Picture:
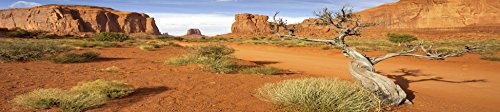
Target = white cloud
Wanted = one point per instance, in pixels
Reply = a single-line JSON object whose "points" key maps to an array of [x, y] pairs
{"points": [[23, 4], [209, 24], [178, 23]]}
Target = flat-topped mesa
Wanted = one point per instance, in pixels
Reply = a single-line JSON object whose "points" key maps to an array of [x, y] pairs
{"points": [[77, 20], [193, 33]]}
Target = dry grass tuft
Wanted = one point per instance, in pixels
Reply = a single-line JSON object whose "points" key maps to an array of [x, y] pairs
{"points": [[319, 95]]}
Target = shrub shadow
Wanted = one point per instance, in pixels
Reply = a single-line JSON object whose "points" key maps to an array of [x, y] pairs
{"points": [[103, 59], [138, 95], [262, 63], [404, 82]]}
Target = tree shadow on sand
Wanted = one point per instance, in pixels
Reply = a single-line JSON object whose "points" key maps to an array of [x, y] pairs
{"points": [[404, 82]]}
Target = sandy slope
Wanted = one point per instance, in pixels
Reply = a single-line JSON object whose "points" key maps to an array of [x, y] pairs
{"points": [[458, 84]]}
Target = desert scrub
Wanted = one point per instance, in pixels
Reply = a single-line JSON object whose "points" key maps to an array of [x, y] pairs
{"points": [[91, 44], [76, 57], [221, 65], [490, 58], [21, 34], [110, 36], [28, 51], [319, 95], [79, 102], [260, 70], [213, 58], [182, 61], [82, 97], [109, 89], [213, 51], [401, 38], [149, 47], [40, 98]]}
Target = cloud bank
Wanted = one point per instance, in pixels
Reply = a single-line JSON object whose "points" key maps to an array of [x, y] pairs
{"points": [[24, 4]]}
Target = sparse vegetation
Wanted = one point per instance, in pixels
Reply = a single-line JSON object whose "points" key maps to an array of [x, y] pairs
{"points": [[148, 47], [110, 36], [90, 44], [75, 57], [110, 89], [82, 97], [79, 102], [169, 38], [319, 95], [21, 33], [260, 70], [40, 98], [491, 58], [216, 58], [28, 51], [401, 38]]}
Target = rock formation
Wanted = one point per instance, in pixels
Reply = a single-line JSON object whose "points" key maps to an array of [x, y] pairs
{"points": [[193, 33], [424, 18], [251, 24], [77, 20], [435, 14]]}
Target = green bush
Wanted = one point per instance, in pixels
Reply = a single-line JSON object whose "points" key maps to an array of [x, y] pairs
{"points": [[213, 51], [182, 61], [28, 51], [110, 89], [260, 70], [401, 38], [40, 98], [21, 33], [148, 47], [170, 38], [220, 65], [76, 57], [319, 95], [47, 36], [110, 36], [88, 44]]}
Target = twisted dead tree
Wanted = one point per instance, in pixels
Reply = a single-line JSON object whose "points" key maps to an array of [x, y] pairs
{"points": [[362, 66]]}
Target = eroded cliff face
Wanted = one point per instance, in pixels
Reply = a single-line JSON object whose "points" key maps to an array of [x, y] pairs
{"points": [[77, 20], [425, 14]]}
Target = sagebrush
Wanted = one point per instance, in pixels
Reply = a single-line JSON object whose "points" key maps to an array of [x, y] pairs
{"points": [[82, 97], [319, 95], [28, 51], [76, 57]]}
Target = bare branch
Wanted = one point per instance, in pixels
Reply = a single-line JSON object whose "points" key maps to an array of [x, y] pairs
{"points": [[429, 53]]}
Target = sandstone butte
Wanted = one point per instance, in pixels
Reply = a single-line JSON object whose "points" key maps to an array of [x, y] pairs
{"points": [[193, 33], [77, 20], [429, 18]]}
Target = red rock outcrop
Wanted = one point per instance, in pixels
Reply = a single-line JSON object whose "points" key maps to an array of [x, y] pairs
{"points": [[435, 14], [478, 19], [77, 20], [251, 24], [193, 33]]}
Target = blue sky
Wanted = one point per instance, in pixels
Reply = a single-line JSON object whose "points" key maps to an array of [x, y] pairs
{"points": [[211, 16]]}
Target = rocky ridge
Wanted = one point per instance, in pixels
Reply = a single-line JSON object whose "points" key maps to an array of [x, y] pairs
{"points": [[77, 20]]}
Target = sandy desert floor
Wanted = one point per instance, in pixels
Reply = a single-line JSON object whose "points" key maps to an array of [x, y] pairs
{"points": [[458, 84]]}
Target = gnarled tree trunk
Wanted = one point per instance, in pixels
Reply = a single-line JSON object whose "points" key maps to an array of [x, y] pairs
{"points": [[361, 68]]}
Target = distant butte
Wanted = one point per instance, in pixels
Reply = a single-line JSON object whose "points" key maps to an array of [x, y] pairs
{"points": [[77, 20]]}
